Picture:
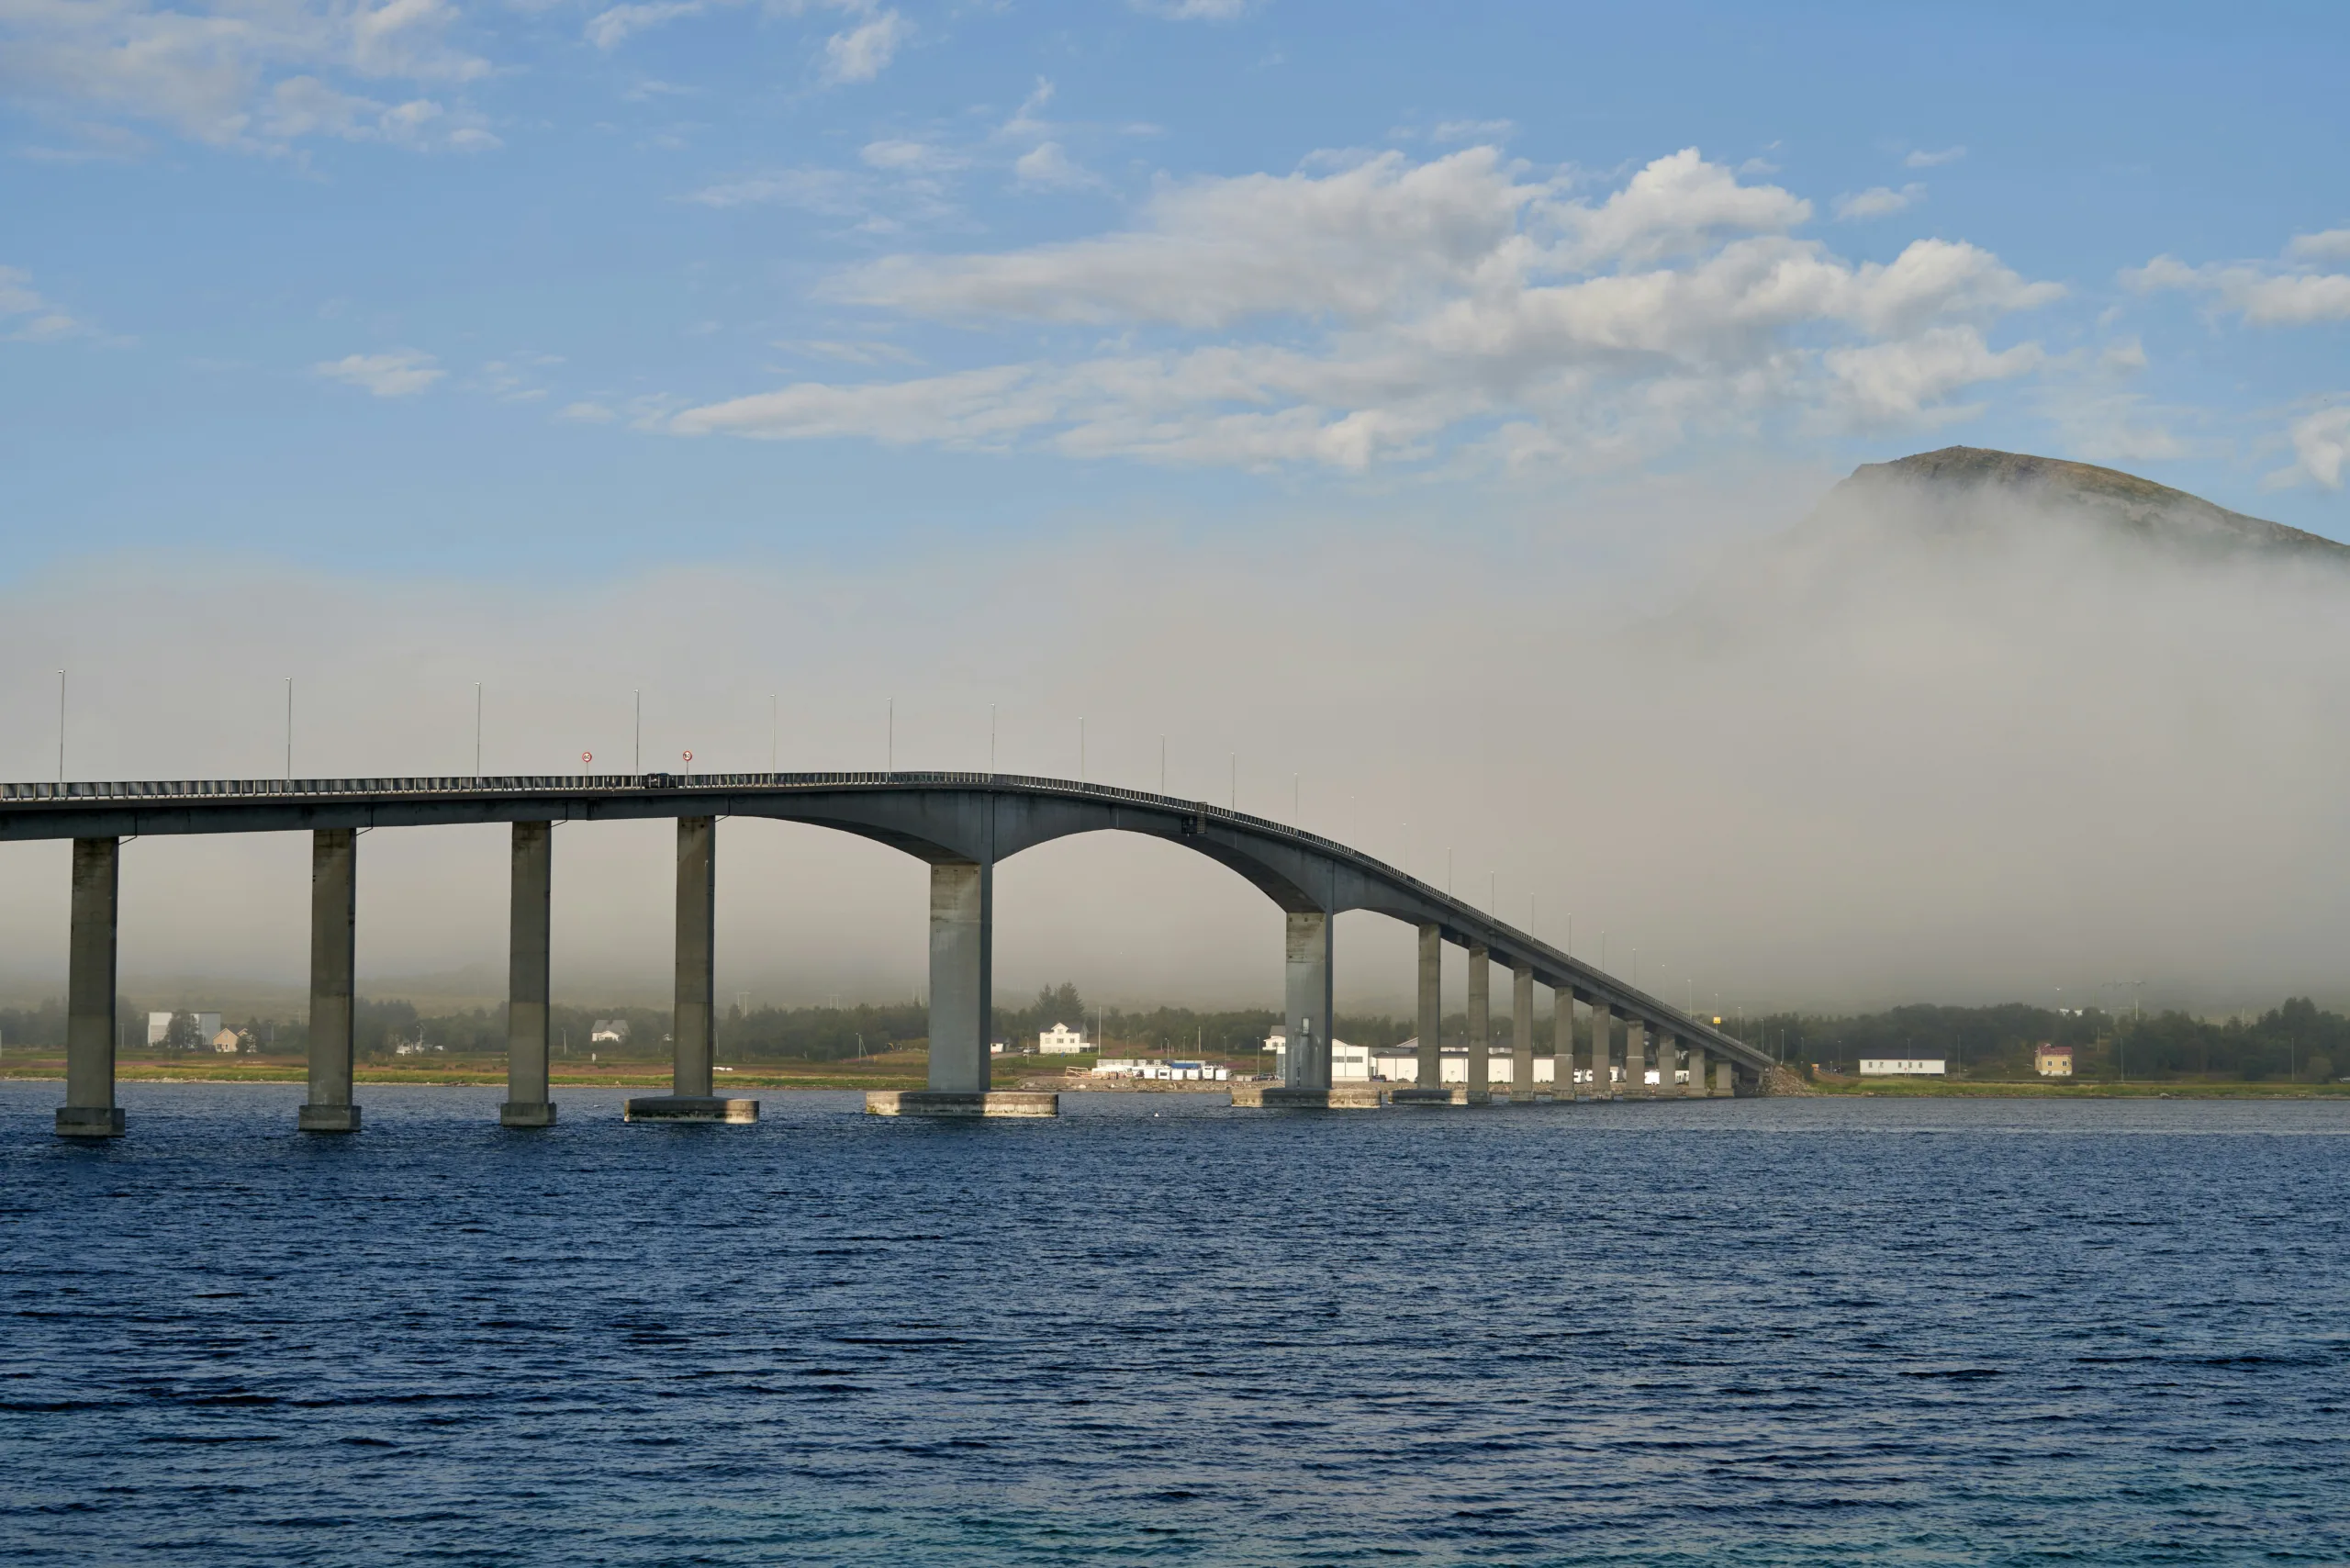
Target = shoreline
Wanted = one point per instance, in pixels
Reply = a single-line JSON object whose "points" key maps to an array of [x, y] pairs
{"points": [[651, 1079]]}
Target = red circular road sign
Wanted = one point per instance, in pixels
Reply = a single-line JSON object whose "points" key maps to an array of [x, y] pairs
{"points": [[586, 756], [689, 756]]}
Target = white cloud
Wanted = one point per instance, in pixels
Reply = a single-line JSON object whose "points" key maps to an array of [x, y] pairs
{"points": [[1048, 165], [607, 29], [2321, 450], [2288, 293], [403, 373], [863, 52], [1416, 306], [26, 317], [1879, 201], [1193, 10], [1453, 130], [244, 73], [588, 413], [2332, 245], [1922, 158]]}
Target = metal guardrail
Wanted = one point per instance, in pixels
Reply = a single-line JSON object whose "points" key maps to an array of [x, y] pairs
{"points": [[262, 790]]}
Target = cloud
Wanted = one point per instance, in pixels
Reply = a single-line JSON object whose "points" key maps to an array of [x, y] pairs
{"points": [[1922, 158], [1879, 201], [402, 373], [863, 52], [1193, 10], [587, 413], [1454, 131], [2332, 245], [1046, 165], [26, 317], [247, 76], [2288, 293], [1391, 310], [2321, 450], [607, 29]]}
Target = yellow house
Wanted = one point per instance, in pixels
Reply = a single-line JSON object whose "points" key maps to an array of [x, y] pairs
{"points": [[2053, 1061]]}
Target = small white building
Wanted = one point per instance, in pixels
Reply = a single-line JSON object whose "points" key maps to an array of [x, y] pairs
{"points": [[608, 1032], [227, 1042], [1152, 1069], [1401, 1064], [1901, 1067], [1060, 1040], [159, 1027]]}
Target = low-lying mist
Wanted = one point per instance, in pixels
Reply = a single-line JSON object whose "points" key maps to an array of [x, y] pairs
{"points": [[1911, 749]]}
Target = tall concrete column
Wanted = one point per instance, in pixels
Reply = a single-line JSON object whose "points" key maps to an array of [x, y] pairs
{"points": [[691, 1028], [335, 927], [1305, 1064], [527, 1104], [1431, 1063], [89, 1110], [1639, 1035], [1697, 1088], [1521, 1046], [1481, 1020], [962, 960], [1563, 1045], [1602, 1028]]}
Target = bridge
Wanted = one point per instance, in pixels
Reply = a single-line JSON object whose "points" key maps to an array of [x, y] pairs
{"points": [[961, 824]]}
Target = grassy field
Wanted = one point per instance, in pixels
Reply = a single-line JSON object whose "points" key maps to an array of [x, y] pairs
{"points": [[905, 1070], [2046, 1089], [898, 1070]]}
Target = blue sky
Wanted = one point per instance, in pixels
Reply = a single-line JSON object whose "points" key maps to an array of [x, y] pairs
{"points": [[462, 285]]}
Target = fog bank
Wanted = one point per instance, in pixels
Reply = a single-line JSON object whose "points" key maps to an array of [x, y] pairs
{"points": [[1902, 752]]}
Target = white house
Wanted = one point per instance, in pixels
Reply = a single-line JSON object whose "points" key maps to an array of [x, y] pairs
{"points": [[1148, 1068], [1060, 1040], [608, 1032], [1901, 1067]]}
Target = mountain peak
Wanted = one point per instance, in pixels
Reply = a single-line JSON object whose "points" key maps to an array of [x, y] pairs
{"points": [[2106, 497]]}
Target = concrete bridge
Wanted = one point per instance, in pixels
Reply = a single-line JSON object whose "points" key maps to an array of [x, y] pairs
{"points": [[962, 824]]}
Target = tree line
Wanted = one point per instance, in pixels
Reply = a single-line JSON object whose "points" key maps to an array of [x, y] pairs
{"points": [[2297, 1041]]}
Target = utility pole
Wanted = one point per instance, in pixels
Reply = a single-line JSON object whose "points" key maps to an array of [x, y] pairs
{"points": [[477, 730], [60, 729], [289, 730]]}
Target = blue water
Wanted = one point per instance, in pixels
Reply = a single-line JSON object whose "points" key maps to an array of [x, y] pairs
{"points": [[1163, 1330]]}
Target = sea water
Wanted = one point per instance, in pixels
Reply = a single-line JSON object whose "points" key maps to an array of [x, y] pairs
{"points": [[1158, 1329]]}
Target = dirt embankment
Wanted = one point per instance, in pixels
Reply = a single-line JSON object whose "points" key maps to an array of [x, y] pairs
{"points": [[1786, 1080]]}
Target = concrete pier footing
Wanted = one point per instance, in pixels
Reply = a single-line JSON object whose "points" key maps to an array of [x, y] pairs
{"points": [[89, 1121], [687, 1108], [89, 1110], [334, 923], [1448, 1095], [526, 979], [1280, 1097], [948, 1102]]}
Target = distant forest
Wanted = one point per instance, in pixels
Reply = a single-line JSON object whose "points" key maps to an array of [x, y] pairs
{"points": [[2298, 1041]]}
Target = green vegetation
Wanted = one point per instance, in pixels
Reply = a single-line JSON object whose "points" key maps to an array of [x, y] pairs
{"points": [[1989, 1050], [2296, 1043]]}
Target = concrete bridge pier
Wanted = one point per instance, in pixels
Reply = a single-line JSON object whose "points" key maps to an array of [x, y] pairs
{"points": [[1306, 964], [1481, 1025], [334, 928], [1697, 1087], [1521, 1032], [1602, 1051], [1643, 1039], [1724, 1075], [693, 1041], [89, 1110], [527, 1104], [962, 1007], [1427, 1082]]}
